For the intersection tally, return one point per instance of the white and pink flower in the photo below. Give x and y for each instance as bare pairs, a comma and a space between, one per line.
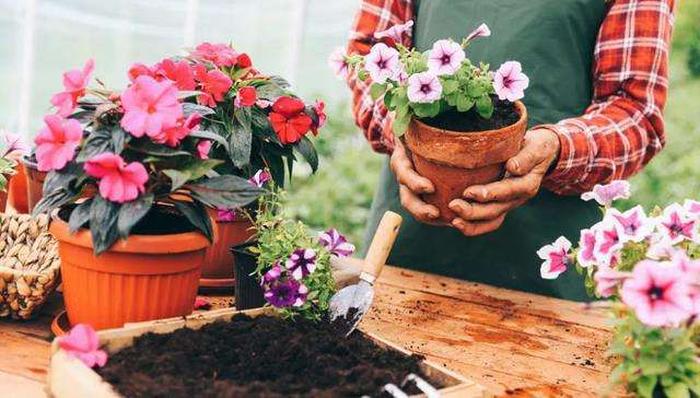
424, 87
608, 193
510, 82
445, 58
586, 253
481, 31
396, 33
336, 243
635, 226
260, 178
301, 263
676, 224
608, 242
382, 63
692, 206
338, 63
83, 344
608, 280
556, 258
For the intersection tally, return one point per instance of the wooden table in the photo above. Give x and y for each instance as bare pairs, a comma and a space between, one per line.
513, 343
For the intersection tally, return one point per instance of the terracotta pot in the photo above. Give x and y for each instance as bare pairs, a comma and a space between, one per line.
141, 278
455, 160
3, 201
17, 192
217, 270
249, 293
35, 183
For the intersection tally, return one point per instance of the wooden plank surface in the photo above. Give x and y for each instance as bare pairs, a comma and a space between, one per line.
514, 343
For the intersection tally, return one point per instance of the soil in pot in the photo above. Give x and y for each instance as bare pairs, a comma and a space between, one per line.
504, 114
256, 357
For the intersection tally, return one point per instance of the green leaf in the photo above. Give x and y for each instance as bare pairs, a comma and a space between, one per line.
146, 146
306, 148
103, 224
197, 215
654, 366
276, 166
177, 178
270, 91
225, 192
190, 171
79, 216
130, 213
54, 200
280, 81
484, 106
400, 124
241, 138
58, 179
646, 385
450, 86
678, 390
426, 110
464, 103
189, 108
208, 135
103, 139
376, 90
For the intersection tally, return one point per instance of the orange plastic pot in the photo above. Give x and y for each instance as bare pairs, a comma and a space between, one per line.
217, 270
142, 278
17, 191
35, 183
455, 160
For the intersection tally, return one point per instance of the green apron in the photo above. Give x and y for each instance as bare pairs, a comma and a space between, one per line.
554, 41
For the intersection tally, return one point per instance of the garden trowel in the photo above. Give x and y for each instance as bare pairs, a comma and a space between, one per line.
349, 305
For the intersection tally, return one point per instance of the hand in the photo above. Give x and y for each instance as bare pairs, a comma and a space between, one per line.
411, 185
486, 206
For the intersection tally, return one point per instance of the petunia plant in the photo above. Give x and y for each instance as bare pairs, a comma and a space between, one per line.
12, 148
648, 267
426, 84
294, 266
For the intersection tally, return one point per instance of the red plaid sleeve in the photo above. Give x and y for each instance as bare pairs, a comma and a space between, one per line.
623, 128
371, 116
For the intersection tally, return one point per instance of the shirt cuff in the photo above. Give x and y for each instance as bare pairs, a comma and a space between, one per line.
562, 175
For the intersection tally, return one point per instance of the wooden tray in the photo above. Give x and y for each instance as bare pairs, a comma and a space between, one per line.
69, 378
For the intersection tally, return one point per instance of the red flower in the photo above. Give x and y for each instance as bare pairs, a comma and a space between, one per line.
179, 72
320, 109
217, 53
214, 85
247, 96
289, 120
139, 69
244, 61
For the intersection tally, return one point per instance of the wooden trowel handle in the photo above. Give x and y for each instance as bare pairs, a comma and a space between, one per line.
381, 245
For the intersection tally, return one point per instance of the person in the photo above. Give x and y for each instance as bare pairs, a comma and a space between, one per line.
598, 82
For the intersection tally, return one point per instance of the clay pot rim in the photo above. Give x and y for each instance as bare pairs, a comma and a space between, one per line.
519, 107
146, 244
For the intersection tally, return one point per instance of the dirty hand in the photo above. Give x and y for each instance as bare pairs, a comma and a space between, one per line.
484, 207
411, 185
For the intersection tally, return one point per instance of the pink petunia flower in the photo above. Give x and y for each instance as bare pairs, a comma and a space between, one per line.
658, 294
510, 82
214, 84
691, 269
556, 258
336, 243
607, 241
424, 87
692, 206
56, 143
677, 225
606, 194
272, 275
301, 263
382, 63
660, 248
260, 178
173, 135
119, 182
150, 107
285, 294
481, 31
203, 148
179, 73
445, 58
216, 53
226, 215
634, 224
608, 280
396, 32
82, 343
74, 83
338, 63
586, 253
14, 146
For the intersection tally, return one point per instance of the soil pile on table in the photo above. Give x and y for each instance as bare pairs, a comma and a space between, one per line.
504, 115
261, 357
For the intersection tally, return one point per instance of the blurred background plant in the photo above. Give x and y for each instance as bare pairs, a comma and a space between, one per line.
42, 38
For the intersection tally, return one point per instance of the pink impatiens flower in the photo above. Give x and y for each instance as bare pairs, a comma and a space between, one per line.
424, 87
203, 148
338, 63
395, 33
510, 82
150, 107
607, 280
119, 182
445, 58
74, 83
336, 243
179, 73
556, 258
482, 31
216, 53
382, 63
634, 224
658, 294
82, 343
586, 253
260, 178
214, 84
606, 194
173, 135
677, 225
56, 143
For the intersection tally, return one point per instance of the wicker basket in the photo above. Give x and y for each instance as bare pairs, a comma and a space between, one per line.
29, 264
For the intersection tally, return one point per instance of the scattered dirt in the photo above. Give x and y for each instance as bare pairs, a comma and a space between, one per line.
261, 357
504, 115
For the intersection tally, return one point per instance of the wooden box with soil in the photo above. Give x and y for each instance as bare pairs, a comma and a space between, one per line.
228, 353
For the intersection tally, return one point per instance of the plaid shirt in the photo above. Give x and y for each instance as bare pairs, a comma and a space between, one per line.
619, 132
